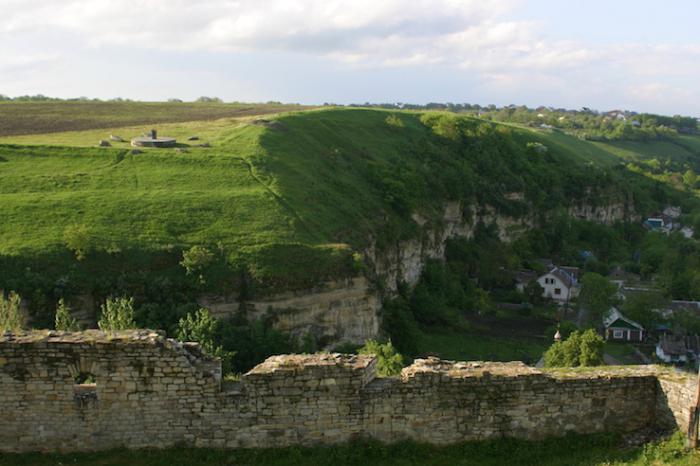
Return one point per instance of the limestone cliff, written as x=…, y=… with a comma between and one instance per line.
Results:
x=341, y=311
x=348, y=310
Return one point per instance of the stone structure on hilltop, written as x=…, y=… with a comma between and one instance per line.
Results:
x=152, y=140
x=93, y=390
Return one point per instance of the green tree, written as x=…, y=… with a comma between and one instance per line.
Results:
x=591, y=348
x=195, y=260
x=117, y=314
x=11, y=317
x=389, y=361
x=640, y=307
x=202, y=328
x=78, y=239
x=534, y=291
x=597, y=294
x=64, y=321
x=690, y=178
x=580, y=349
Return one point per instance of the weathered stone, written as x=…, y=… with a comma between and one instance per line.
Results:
x=151, y=391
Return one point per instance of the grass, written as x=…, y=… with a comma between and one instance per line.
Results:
x=313, y=187
x=623, y=352
x=596, y=450
x=466, y=346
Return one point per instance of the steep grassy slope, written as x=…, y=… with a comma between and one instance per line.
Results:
x=282, y=202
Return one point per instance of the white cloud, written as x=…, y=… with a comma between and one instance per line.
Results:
x=476, y=37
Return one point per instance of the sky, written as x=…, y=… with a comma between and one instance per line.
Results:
x=641, y=55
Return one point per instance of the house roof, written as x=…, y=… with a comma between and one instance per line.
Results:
x=573, y=271
x=564, y=276
x=525, y=276
x=614, y=315
x=672, y=345
x=692, y=343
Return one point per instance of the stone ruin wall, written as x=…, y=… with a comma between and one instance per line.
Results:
x=155, y=392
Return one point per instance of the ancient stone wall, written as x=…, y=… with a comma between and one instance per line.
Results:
x=152, y=391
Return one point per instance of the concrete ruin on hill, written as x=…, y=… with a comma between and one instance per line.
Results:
x=152, y=140
x=93, y=390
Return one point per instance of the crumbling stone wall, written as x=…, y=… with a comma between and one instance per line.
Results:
x=152, y=391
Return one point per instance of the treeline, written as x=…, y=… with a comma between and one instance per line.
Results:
x=43, y=98
x=615, y=125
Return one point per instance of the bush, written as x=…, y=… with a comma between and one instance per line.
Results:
x=252, y=342
x=389, y=361
x=117, y=314
x=78, y=239
x=11, y=318
x=64, y=321
x=195, y=260
x=580, y=349
x=202, y=328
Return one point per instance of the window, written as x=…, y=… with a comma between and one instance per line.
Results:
x=557, y=291
x=618, y=333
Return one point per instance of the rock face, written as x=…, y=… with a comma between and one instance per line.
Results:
x=337, y=312
x=605, y=214
x=404, y=262
x=348, y=310
x=150, y=391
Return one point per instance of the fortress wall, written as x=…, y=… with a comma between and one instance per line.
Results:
x=152, y=391
x=676, y=396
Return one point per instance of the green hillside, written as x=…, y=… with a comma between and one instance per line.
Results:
x=282, y=202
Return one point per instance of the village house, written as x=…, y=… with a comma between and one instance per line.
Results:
x=677, y=349
x=620, y=328
x=560, y=283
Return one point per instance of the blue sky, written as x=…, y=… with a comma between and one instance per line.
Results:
x=640, y=55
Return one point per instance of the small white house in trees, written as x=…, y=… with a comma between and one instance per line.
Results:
x=560, y=283
x=620, y=328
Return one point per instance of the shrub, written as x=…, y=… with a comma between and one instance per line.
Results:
x=64, y=321
x=580, y=349
x=389, y=361
x=394, y=121
x=195, y=260
x=202, y=328
x=11, y=318
x=78, y=239
x=117, y=314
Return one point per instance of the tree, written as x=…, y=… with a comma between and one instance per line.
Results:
x=640, y=307
x=78, y=239
x=11, y=317
x=202, y=328
x=690, y=178
x=195, y=260
x=117, y=314
x=389, y=361
x=591, y=348
x=64, y=320
x=534, y=291
x=580, y=349
x=597, y=294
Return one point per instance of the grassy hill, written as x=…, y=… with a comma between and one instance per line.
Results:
x=282, y=201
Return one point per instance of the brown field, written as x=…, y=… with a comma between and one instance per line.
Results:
x=17, y=118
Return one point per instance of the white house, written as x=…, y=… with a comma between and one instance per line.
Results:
x=672, y=349
x=560, y=283
x=620, y=328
